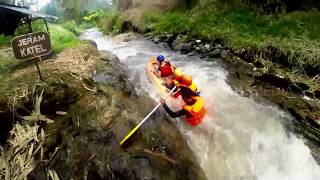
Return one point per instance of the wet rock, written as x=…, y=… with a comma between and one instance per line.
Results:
x=224, y=54
x=207, y=47
x=192, y=54
x=218, y=46
x=167, y=37
x=280, y=82
x=202, y=48
x=177, y=41
x=179, y=44
x=184, y=47
x=111, y=72
x=94, y=44
x=294, y=113
x=156, y=40
x=198, y=49
x=198, y=41
x=108, y=56
x=215, y=53
x=125, y=37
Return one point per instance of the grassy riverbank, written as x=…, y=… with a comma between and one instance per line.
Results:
x=294, y=35
x=61, y=38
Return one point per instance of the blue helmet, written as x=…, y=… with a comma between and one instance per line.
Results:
x=160, y=58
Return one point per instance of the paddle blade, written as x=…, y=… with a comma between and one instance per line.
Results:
x=129, y=135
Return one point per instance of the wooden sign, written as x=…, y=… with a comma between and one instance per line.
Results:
x=31, y=45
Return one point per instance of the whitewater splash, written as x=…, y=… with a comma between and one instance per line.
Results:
x=239, y=139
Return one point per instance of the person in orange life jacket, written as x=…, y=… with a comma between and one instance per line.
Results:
x=186, y=85
x=194, y=110
x=165, y=70
x=177, y=75
x=182, y=82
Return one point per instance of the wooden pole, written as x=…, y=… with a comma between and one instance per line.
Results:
x=38, y=68
x=29, y=20
x=37, y=58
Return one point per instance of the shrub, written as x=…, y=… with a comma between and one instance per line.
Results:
x=5, y=40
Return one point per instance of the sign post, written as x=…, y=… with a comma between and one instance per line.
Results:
x=32, y=46
x=38, y=68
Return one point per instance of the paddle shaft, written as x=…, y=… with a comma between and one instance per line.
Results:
x=144, y=120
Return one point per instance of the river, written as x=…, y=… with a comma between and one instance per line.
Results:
x=239, y=139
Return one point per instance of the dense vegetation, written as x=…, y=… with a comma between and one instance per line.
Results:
x=280, y=28
x=296, y=33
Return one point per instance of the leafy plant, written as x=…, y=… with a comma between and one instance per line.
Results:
x=36, y=113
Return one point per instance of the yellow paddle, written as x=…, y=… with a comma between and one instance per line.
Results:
x=145, y=119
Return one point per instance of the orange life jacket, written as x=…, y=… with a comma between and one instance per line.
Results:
x=193, y=87
x=183, y=89
x=196, y=111
x=166, y=70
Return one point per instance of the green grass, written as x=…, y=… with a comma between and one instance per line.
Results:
x=174, y=22
x=62, y=36
x=295, y=34
x=5, y=41
x=6, y=60
x=74, y=27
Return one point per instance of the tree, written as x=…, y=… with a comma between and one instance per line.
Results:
x=51, y=8
x=75, y=9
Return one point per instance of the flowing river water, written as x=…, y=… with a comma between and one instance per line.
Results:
x=239, y=139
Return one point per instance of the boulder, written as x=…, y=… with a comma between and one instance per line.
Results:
x=156, y=40
x=198, y=49
x=91, y=42
x=218, y=46
x=282, y=83
x=215, y=53
x=224, y=54
x=108, y=56
x=185, y=47
x=207, y=47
